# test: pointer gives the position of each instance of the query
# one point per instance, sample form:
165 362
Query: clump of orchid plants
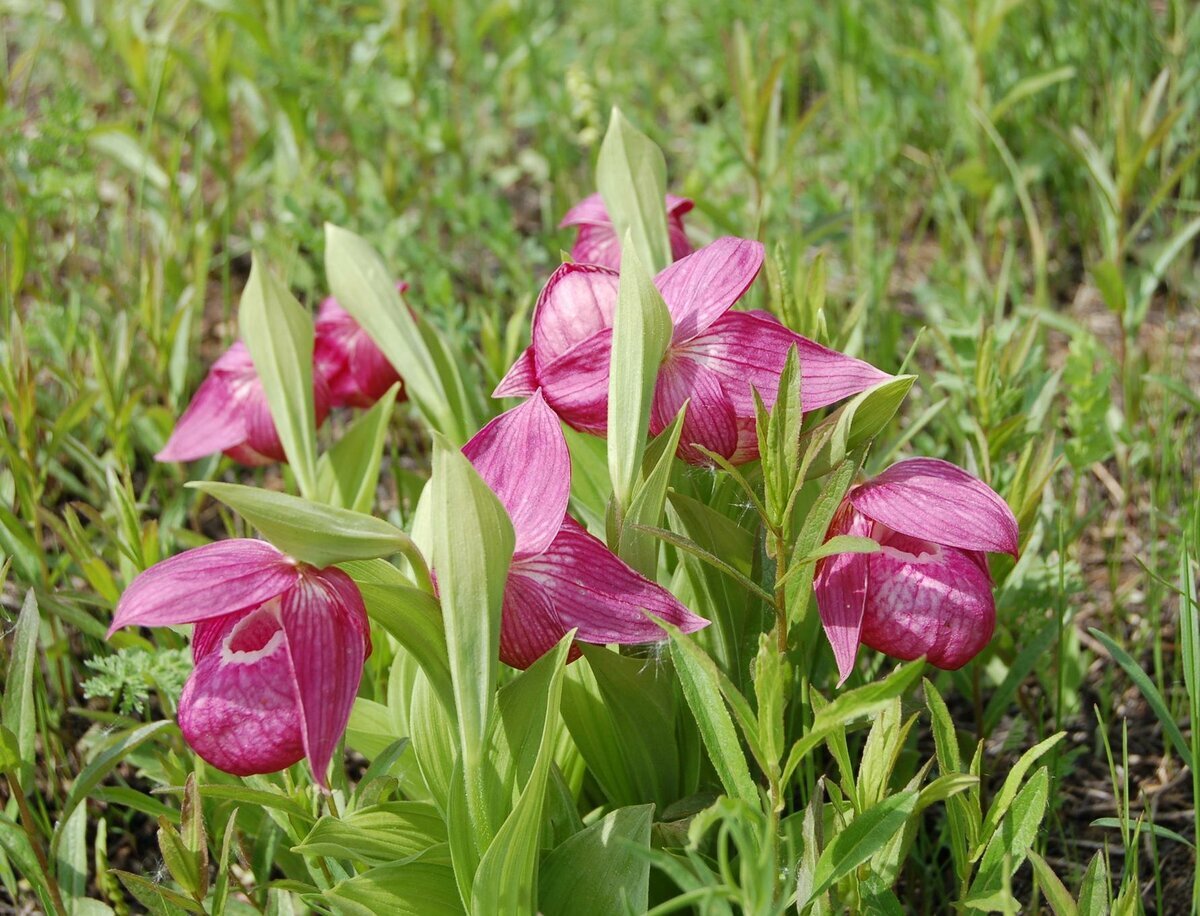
598 638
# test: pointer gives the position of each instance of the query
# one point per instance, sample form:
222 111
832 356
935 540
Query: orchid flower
229 413
561 577
278 646
717 358
597 241
356 370
927 591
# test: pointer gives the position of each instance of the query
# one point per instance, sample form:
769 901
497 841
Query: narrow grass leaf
700 681
18 714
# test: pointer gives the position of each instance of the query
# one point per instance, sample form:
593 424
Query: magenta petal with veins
597 242
279 649
927 591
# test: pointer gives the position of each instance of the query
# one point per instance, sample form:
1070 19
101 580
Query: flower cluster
279 645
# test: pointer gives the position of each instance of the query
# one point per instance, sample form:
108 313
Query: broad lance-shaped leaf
279 335
308 531
363 286
641 333
506 880
473 542
600 870
631 175
637 547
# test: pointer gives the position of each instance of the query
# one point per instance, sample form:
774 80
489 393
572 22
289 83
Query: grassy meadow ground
1004 194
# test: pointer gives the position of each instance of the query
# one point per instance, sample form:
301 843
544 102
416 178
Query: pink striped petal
597 244
576 302
357 372
748 350
213 422
709 421
239 709
928 600
593 590
701 287
521 380
576 384
589 211
326 628
936 501
840 587
205 582
522 455
529 626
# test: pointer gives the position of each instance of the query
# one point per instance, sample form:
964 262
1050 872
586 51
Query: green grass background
1004 193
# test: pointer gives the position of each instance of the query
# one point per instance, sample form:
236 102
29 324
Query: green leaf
1056 892
1012 783
1094 891
637 547
860 419
631 175
406 889
700 681
617 708
371 729
10 750
600 870
348 474
365 288
1111 285
18 714
1158 830
779 442
1016 833
641 332
156 898
1150 692
414 619
112 752
378 835
311 532
842 543
278 332
506 880
865 835
851 705
473 544
255 798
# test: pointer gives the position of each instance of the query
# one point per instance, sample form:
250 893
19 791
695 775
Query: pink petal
522 455
326 627
529 626
357 372
588 211
748 350
701 287
593 590
709 421
576 302
934 500
597 245
677 206
576 384
939 606
204 583
521 380
212 422
840 587
681 246
239 709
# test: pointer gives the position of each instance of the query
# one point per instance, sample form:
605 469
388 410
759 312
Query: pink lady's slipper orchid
278 645
597 241
229 413
357 371
561 577
716 357
928 590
